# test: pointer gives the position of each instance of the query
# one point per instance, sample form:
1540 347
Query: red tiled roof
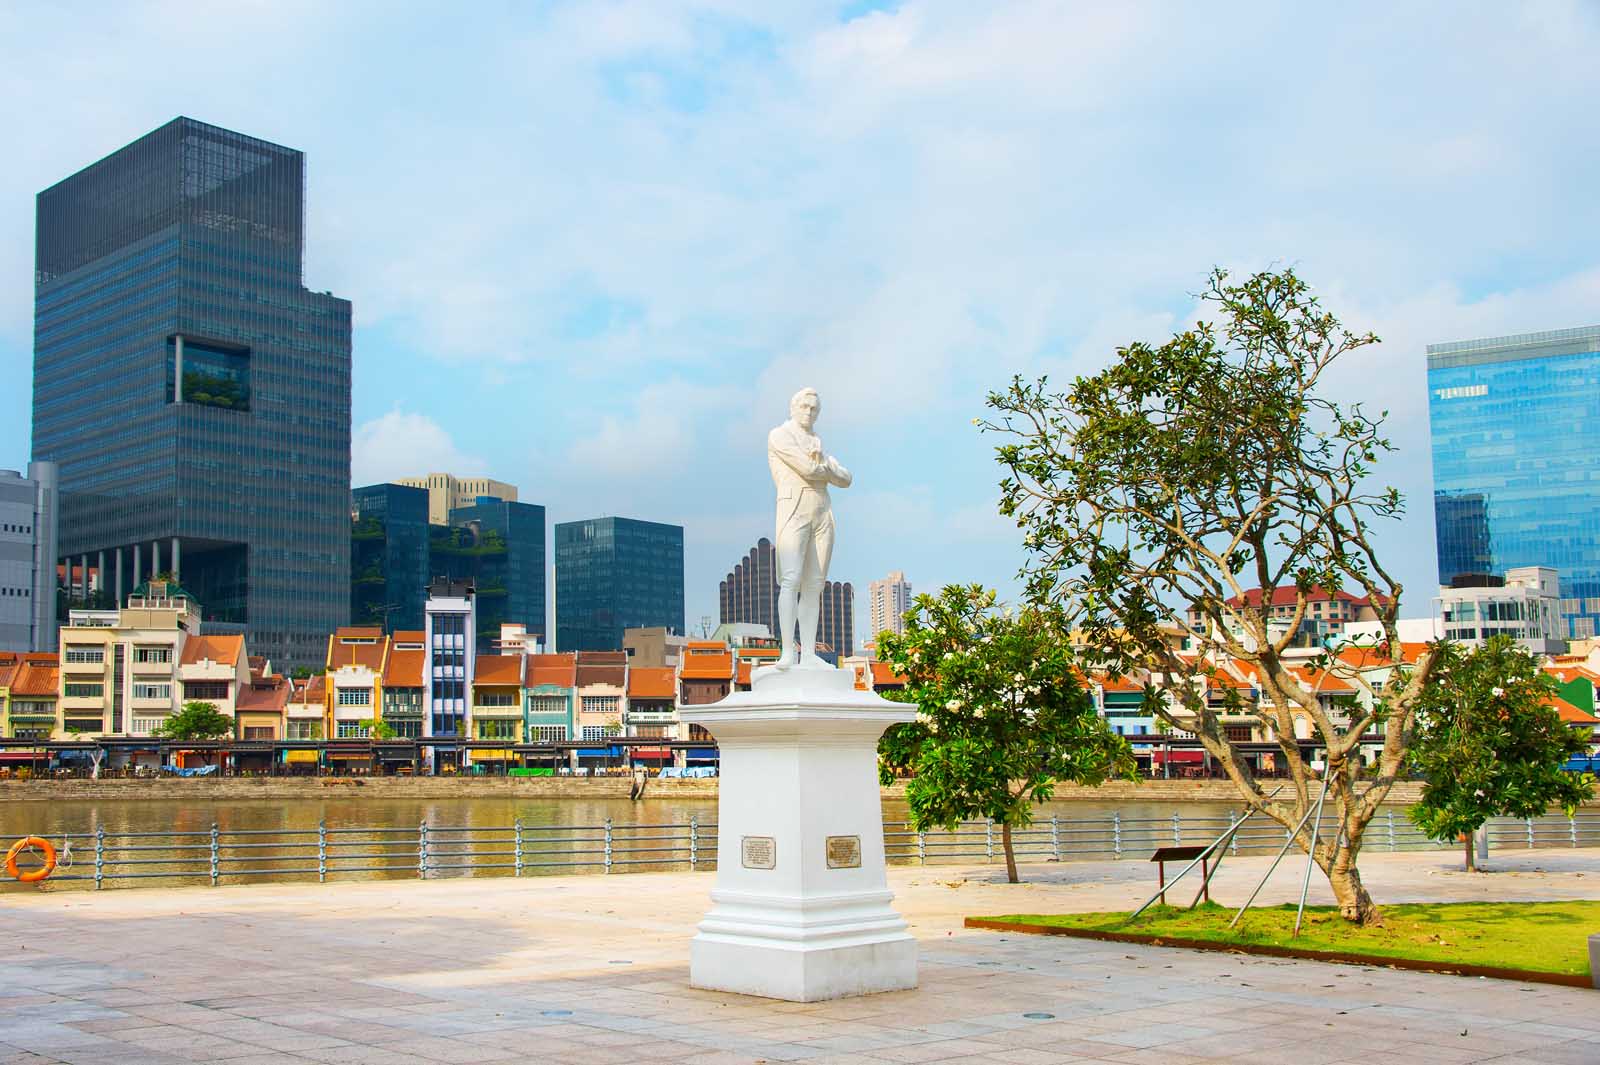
1378 657
310 690
371 655
745 669
560 670
37 675
1570 714
496 670
1567 674
10 662
410 636
884 676
1289 595
222 649
706 660
652 682
1119 684
1320 680
404 669
602 667
263 695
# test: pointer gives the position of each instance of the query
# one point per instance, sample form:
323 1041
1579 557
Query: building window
355 697
547 734
548 704
304 730
146 726
83 724
83 690
353 730
496 699
600 704
497 730
258 732
159 655
152 691
206 689
598 732
85 654
407 728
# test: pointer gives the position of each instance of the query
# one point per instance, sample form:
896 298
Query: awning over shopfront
702 754
24 757
492 756
651 754
300 757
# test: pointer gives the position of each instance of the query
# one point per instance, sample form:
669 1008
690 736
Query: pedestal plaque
807 918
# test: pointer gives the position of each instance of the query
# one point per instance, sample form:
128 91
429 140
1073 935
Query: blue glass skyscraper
194 393
614 574
1516 473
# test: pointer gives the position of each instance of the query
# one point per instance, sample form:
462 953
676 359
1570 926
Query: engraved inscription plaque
758 852
844 852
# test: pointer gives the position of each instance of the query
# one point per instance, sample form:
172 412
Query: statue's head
804 406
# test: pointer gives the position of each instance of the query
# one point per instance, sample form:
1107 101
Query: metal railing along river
429 851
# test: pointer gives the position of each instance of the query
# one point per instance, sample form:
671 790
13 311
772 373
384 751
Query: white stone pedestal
801 910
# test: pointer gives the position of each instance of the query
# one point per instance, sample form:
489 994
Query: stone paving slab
593 970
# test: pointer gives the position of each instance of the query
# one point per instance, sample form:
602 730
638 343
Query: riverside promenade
594 970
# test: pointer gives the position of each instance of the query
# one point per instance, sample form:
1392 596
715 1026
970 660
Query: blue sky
594 247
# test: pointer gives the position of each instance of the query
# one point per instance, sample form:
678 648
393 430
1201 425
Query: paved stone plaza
594 970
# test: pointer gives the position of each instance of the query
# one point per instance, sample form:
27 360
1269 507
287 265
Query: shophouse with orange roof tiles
402 684
496 713
32 697
119 669
261 707
213 669
353 676
602 688
652 710
549 696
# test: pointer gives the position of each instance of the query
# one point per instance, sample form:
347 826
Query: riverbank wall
207 789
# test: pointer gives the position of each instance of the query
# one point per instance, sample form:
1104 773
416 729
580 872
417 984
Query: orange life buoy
31 843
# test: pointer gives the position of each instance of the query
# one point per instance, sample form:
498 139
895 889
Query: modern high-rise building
446 492
614 574
888 600
28 558
499 546
1516 474
389 567
749 595
194 393
449 637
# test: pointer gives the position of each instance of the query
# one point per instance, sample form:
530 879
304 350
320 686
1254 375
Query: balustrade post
1529 822
1572 829
1233 837
516 869
322 851
694 841
422 851
1116 834
988 840
1177 830
213 854
922 847
608 844
99 855
1392 845
1055 836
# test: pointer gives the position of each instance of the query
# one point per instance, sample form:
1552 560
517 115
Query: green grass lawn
1547 937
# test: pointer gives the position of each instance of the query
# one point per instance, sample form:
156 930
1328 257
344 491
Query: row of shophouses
122 673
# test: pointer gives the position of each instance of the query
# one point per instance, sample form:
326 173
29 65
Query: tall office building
614 574
446 492
193 392
28 558
389 567
748 595
499 546
888 601
1516 474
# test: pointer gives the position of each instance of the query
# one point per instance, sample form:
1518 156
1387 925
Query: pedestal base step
799 974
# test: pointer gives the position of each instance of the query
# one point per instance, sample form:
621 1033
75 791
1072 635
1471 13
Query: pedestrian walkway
594 970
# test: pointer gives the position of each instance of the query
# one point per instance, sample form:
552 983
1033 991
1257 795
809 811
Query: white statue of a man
802 472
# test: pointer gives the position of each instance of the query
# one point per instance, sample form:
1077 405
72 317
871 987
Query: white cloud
403 444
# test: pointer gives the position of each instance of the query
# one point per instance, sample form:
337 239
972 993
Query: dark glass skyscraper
749 595
1516 475
614 574
499 545
194 393
389 569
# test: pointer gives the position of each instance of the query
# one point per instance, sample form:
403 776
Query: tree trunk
1011 855
1472 865
1355 905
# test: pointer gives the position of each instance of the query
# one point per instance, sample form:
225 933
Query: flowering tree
1490 744
1003 715
1188 492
